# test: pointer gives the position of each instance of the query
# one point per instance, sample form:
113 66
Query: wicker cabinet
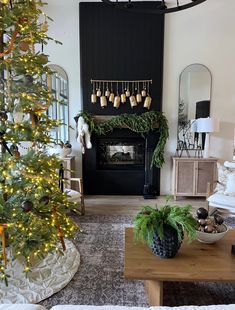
191 175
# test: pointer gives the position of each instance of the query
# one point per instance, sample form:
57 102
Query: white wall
204 34
65 29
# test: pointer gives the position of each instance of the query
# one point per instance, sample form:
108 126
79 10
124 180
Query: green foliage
141 124
150 221
33 210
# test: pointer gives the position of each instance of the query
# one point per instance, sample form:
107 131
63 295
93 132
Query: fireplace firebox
119 163
119 153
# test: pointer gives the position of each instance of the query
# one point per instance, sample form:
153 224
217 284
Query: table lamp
207 125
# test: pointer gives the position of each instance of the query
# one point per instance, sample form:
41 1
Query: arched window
59 110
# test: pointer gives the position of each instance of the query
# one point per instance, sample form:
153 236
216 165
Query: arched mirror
58 82
194 102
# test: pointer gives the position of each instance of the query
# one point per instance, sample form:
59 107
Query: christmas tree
34 213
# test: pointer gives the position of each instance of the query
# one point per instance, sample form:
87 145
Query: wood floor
130 205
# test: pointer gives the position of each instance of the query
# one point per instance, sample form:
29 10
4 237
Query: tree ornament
16 154
43 59
24 46
13 147
27 205
28 79
44 27
18 117
44 200
3 116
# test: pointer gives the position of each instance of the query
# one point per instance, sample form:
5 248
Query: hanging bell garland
132 91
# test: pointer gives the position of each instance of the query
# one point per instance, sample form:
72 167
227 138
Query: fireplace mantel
99 119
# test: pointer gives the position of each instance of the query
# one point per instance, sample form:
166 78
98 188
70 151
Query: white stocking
87 136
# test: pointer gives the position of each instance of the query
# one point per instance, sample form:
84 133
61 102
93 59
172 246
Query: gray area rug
100 281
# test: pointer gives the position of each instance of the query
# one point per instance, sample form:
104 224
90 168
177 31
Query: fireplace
119 153
120 164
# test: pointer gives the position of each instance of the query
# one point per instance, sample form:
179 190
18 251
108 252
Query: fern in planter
164 228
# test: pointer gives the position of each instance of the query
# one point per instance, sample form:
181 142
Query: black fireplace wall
119 45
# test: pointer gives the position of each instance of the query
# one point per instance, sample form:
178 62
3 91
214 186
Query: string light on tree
33 209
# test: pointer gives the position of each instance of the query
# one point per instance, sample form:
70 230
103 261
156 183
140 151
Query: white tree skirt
47 277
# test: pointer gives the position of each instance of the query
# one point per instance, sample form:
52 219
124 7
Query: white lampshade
193 125
207 124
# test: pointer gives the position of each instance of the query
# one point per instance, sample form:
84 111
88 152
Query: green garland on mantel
140 124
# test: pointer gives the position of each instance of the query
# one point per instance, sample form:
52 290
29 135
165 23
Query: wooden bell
98 93
107 93
93 98
138 98
133 101
128 93
103 101
111 97
123 98
117 100
147 102
143 93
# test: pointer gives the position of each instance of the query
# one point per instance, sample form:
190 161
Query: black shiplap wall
119 45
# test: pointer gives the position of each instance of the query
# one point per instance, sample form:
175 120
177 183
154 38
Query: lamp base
206 152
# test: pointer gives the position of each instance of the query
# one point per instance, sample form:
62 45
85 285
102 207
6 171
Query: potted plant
163 228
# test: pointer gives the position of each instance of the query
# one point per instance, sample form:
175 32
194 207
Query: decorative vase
167 247
65 151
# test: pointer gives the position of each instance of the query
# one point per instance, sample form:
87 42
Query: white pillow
229 164
230 185
222 178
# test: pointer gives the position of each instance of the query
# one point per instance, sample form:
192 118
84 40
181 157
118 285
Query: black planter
169 245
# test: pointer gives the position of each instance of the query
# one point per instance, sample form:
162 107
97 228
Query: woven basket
169 245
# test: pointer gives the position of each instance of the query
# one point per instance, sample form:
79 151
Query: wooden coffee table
195 261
